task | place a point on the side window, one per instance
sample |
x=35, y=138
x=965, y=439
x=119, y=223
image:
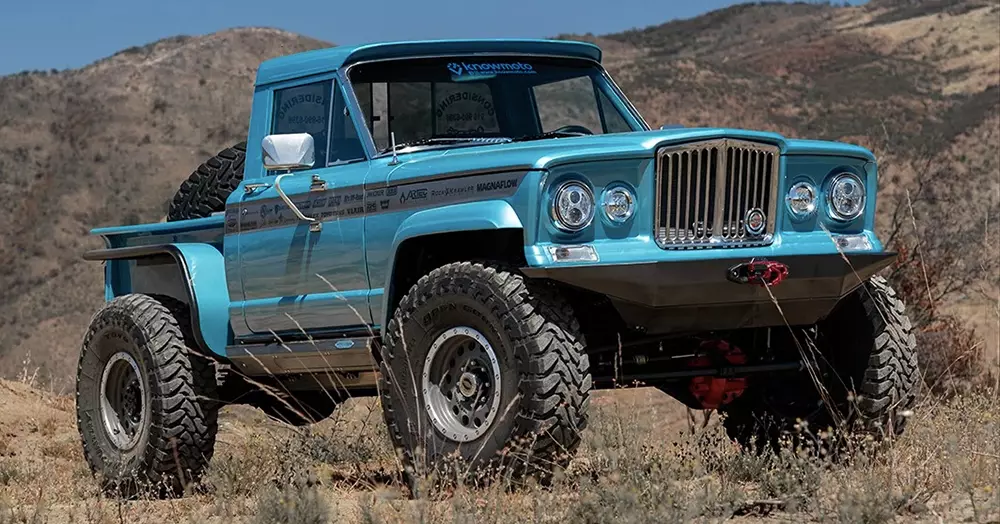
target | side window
x=614, y=122
x=304, y=109
x=345, y=145
x=568, y=102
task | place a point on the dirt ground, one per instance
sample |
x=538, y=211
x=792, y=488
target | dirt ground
x=640, y=462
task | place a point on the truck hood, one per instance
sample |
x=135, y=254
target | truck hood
x=545, y=154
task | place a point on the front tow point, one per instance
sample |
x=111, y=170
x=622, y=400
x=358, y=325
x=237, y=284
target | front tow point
x=764, y=273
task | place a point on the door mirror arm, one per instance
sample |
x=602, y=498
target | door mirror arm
x=314, y=225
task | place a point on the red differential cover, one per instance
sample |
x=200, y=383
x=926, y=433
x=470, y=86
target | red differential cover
x=713, y=392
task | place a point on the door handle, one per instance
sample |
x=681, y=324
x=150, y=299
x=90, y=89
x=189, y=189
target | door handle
x=250, y=188
x=314, y=225
x=318, y=184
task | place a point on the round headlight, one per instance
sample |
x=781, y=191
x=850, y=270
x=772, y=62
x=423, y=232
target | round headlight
x=846, y=197
x=573, y=206
x=618, y=203
x=802, y=199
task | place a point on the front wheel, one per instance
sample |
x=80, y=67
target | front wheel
x=866, y=364
x=484, y=366
x=146, y=407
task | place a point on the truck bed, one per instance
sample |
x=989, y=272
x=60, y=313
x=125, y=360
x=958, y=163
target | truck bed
x=201, y=230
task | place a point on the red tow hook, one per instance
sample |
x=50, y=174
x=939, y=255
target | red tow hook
x=764, y=273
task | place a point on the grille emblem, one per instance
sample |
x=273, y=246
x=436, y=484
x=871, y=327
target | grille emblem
x=755, y=222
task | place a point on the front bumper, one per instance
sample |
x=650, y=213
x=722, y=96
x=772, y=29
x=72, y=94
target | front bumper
x=696, y=295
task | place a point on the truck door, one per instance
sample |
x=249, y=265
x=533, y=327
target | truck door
x=300, y=276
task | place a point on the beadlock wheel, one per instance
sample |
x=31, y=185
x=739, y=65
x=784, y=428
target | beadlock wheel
x=123, y=401
x=145, y=400
x=461, y=384
x=482, y=372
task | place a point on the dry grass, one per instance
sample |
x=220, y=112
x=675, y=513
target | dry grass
x=640, y=462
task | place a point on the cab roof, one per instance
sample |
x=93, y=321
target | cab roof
x=330, y=59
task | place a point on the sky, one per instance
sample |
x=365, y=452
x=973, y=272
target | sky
x=61, y=34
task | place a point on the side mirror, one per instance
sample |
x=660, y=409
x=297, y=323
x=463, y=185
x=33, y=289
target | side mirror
x=291, y=151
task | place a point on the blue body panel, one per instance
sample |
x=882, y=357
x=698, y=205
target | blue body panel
x=485, y=215
x=546, y=154
x=196, y=275
x=204, y=230
x=268, y=271
x=634, y=241
x=295, y=279
x=257, y=269
x=206, y=272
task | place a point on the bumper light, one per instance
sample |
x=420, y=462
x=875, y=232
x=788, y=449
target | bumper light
x=572, y=253
x=852, y=242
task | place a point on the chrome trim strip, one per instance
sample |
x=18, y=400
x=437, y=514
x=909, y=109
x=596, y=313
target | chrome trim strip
x=357, y=115
x=628, y=103
x=519, y=169
x=722, y=167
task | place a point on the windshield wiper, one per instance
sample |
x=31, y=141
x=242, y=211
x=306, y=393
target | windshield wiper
x=448, y=140
x=548, y=134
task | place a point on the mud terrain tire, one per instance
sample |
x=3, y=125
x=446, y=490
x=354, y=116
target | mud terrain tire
x=176, y=416
x=544, y=374
x=206, y=190
x=868, y=365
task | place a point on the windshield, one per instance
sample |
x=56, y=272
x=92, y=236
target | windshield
x=448, y=100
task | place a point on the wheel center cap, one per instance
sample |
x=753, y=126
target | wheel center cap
x=468, y=384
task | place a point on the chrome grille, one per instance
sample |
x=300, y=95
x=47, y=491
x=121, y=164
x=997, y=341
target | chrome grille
x=706, y=190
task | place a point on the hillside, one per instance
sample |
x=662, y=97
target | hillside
x=928, y=74
x=110, y=142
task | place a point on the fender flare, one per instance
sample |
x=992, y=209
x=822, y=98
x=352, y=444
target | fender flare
x=205, y=271
x=484, y=215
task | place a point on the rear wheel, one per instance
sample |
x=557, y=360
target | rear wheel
x=483, y=365
x=867, y=365
x=206, y=190
x=146, y=407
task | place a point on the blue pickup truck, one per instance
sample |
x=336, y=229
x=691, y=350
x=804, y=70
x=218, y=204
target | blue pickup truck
x=481, y=232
